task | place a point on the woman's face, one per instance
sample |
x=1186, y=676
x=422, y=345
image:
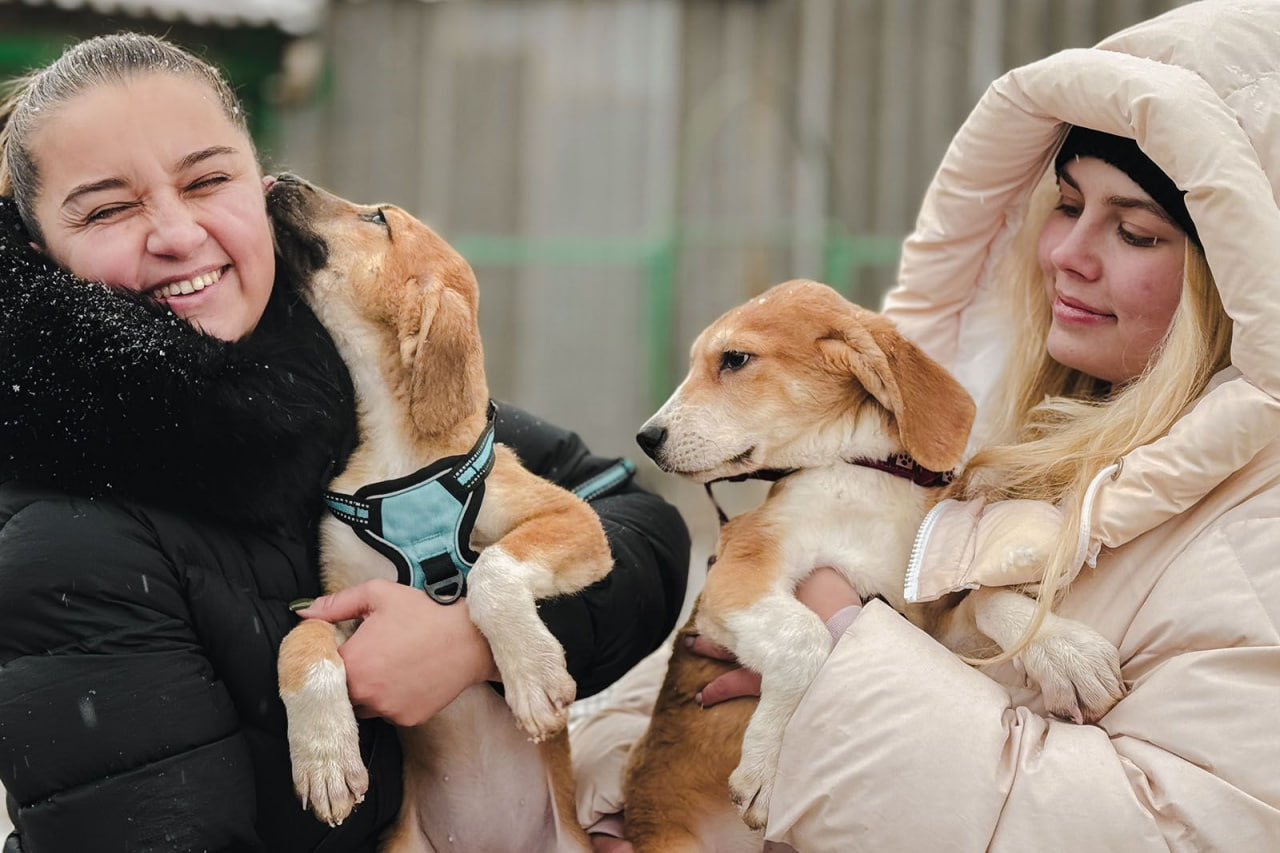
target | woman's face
x=1112, y=261
x=146, y=185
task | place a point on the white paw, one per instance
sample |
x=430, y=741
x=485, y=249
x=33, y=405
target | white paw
x=539, y=696
x=750, y=787
x=324, y=744
x=1077, y=670
x=331, y=782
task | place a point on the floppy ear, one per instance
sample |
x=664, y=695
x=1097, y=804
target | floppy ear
x=932, y=410
x=440, y=346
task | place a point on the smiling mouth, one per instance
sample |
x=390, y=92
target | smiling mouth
x=189, y=285
x=1080, y=306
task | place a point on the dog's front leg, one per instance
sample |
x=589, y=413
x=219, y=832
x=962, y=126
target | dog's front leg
x=1076, y=668
x=324, y=742
x=548, y=542
x=749, y=607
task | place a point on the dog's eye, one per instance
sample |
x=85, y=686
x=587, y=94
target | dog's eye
x=733, y=360
x=376, y=217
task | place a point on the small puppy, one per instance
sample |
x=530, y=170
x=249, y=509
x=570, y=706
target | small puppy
x=401, y=306
x=858, y=426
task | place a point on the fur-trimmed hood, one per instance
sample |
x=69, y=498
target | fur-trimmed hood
x=107, y=393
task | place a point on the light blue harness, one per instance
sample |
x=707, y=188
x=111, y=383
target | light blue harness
x=422, y=523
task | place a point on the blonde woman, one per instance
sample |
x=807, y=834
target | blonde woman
x=1098, y=260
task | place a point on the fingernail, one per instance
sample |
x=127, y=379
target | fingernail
x=697, y=697
x=301, y=604
x=688, y=641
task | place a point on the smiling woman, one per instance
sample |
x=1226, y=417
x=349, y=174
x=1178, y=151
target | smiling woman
x=1112, y=257
x=171, y=206
x=1127, y=444
x=169, y=416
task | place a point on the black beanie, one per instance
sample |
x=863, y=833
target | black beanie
x=1125, y=155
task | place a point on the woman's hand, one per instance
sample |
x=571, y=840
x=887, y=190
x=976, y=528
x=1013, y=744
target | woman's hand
x=410, y=656
x=824, y=591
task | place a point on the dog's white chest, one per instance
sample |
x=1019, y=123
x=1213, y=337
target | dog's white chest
x=858, y=520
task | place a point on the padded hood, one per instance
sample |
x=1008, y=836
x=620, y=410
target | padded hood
x=1198, y=88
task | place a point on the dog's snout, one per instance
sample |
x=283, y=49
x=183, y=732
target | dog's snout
x=291, y=178
x=651, y=438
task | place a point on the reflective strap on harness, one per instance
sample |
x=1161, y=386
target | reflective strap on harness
x=607, y=480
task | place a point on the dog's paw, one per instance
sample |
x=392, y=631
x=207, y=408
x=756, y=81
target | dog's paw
x=750, y=788
x=1077, y=670
x=331, y=781
x=324, y=744
x=541, y=703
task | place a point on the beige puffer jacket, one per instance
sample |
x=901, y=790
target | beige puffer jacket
x=899, y=746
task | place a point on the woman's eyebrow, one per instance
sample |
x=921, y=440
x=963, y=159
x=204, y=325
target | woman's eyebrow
x=93, y=187
x=197, y=157
x=1130, y=203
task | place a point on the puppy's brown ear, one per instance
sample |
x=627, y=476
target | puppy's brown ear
x=440, y=347
x=933, y=411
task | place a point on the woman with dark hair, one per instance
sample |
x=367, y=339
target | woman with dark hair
x=169, y=415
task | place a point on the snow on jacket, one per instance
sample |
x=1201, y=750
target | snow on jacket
x=898, y=745
x=159, y=492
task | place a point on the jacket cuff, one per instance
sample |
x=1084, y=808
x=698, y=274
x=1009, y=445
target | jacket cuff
x=967, y=544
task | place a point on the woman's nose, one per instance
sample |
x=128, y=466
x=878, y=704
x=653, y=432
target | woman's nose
x=175, y=232
x=1076, y=252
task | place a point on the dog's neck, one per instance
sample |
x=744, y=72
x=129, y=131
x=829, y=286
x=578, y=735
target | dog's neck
x=865, y=433
x=392, y=443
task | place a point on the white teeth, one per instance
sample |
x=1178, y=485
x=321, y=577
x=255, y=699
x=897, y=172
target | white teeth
x=190, y=285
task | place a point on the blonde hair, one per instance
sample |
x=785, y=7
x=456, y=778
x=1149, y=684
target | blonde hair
x=1056, y=427
x=29, y=100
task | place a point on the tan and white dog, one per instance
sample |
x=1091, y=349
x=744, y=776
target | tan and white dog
x=401, y=306
x=859, y=424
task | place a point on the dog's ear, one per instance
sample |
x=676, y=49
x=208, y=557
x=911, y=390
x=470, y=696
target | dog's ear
x=933, y=411
x=440, y=347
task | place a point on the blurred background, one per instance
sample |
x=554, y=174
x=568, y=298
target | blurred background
x=619, y=172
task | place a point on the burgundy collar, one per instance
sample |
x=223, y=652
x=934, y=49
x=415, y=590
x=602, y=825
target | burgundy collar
x=902, y=465
x=899, y=465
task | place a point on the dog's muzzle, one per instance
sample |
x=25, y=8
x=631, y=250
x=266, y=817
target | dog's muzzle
x=301, y=249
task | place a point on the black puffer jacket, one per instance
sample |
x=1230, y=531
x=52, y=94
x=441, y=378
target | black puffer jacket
x=157, y=513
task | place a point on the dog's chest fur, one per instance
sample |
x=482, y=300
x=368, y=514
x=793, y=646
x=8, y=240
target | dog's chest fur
x=856, y=519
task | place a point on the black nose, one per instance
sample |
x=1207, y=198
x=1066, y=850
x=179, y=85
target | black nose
x=651, y=439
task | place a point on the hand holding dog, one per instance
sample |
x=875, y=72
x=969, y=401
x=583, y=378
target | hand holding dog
x=824, y=591
x=410, y=656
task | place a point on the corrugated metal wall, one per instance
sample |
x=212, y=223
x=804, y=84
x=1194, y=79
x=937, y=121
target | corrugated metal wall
x=620, y=172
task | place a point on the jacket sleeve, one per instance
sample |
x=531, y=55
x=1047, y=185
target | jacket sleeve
x=608, y=627
x=964, y=544
x=110, y=715
x=914, y=750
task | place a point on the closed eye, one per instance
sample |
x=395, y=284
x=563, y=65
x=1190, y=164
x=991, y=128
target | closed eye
x=207, y=182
